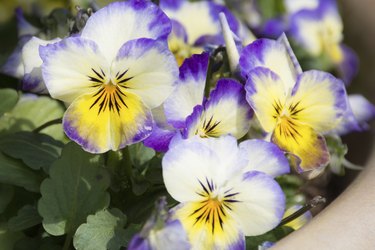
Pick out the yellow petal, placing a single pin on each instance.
(108, 119)
(302, 141)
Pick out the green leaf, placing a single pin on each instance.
(75, 189)
(7, 238)
(6, 195)
(9, 98)
(31, 112)
(35, 150)
(140, 154)
(27, 217)
(104, 230)
(14, 172)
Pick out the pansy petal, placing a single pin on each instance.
(363, 110)
(23, 26)
(226, 112)
(185, 166)
(205, 21)
(271, 54)
(72, 67)
(13, 66)
(349, 66)
(146, 68)
(33, 79)
(120, 22)
(319, 100)
(107, 120)
(266, 94)
(159, 139)
(213, 234)
(193, 162)
(302, 141)
(265, 157)
(189, 90)
(260, 203)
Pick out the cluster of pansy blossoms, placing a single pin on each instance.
(228, 116)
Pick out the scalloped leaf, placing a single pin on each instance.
(104, 230)
(27, 217)
(76, 188)
(16, 173)
(31, 112)
(35, 150)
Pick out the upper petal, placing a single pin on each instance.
(266, 94)
(319, 100)
(108, 119)
(265, 157)
(189, 90)
(206, 17)
(119, 22)
(146, 68)
(72, 67)
(274, 55)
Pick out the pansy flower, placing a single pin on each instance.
(359, 112)
(294, 107)
(223, 197)
(13, 66)
(161, 231)
(191, 34)
(319, 31)
(187, 111)
(112, 75)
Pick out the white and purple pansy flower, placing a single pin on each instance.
(360, 111)
(161, 231)
(295, 107)
(224, 196)
(32, 80)
(13, 66)
(187, 110)
(113, 74)
(191, 34)
(319, 31)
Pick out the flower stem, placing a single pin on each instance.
(47, 124)
(68, 240)
(317, 200)
(347, 164)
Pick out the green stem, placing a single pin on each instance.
(68, 241)
(47, 124)
(127, 162)
(311, 204)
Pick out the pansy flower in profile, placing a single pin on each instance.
(224, 196)
(161, 231)
(190, 34)
(187, 111)
(13, 66)
(294, 107)
(113, 74)
(319, 30)
(360, 111)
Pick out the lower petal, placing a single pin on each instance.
(108, 123)
(211, 233)
(302, 141)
